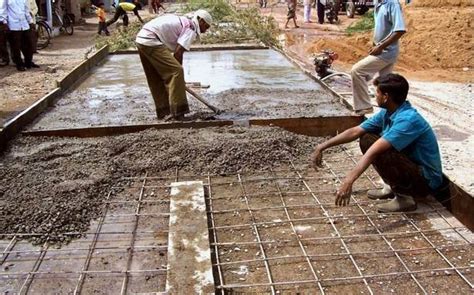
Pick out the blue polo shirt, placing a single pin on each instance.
(408, 132)
(388, 19)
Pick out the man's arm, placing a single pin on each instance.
(377, 49)
(344, 192)
(344, 137)
(3, 12)
(135, 11)
(178, 53)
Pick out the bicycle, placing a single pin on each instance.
(66, 21)
(43, 30)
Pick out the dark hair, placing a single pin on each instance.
(100, 4)
(394, 85)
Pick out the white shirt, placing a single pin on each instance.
(16, 14)
(33, 9)
(169, 30)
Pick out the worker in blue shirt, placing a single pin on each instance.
(401, 146)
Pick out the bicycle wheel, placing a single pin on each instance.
(67, 24)
(44, 35)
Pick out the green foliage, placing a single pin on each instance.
(122, 38)
(219, 9)
(229, 26)
(243, 26)
(366, 23)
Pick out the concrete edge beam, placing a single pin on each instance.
(189, 252)
(250, 46)
(12, 127)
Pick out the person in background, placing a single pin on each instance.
(320, 6)
(156, 5)
(291, 13)
(4, 55)
(122, 9)
(16, 14)
(389, 28)
(307, 10)
(401, 146)
(161, 44)
(33, 12)
(101, 15)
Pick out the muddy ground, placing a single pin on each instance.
(56, 185)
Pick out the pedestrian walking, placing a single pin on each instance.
(101, 15)
(291, 13)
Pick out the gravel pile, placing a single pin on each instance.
(52, 186)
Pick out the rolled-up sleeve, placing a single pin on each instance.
(187, 38)
(374, 124)
(396, 16)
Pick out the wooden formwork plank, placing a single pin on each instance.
(320, 126)
(189, 252)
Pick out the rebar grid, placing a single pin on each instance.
(326, 213)
(29, 278)
(80, 281)
(305, 254)
(40, 254)
(213, 232)
(406, 233)
(257, 235)
(132, 239)
(384, 238)
(334, 217)
(357, 278)
(419, 230)
(336, 254)
(361, 277)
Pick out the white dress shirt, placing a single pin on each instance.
(16, 14)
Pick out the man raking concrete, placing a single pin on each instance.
(161, 44)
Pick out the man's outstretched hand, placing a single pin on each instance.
(343, 194)
(317, 158)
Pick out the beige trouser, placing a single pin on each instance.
(362, 72)
(165, 77)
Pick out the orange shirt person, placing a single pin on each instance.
(101, 15)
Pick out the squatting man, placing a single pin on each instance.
(401, 146)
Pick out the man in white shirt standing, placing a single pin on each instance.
(16, 14)
(161, 44)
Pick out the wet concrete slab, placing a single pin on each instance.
(246, 84)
